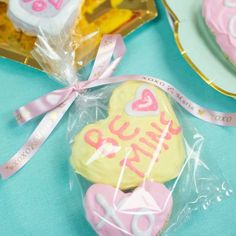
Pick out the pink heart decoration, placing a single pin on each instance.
(145, 103)
(56, 3)
(145, 211)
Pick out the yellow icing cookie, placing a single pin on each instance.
(140, 138)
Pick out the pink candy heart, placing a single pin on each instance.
(145, 211)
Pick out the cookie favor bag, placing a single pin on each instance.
(134, 154)
(138, 161)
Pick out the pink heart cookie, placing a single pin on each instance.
(49, 16)
(220, 17)
(145, 211)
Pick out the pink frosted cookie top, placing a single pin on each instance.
(145, 211)
(220, 16)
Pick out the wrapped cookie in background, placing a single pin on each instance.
(85, 20)
(52, 17)
(134, 154)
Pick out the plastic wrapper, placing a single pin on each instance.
(94, 18)
(135, 155)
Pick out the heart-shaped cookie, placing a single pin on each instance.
(49, 16)
(145, 211)
(140, 138)
(220, 17)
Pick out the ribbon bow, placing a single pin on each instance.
(56, 103)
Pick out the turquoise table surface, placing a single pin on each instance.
(38, 200)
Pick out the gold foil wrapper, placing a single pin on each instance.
(97, 17)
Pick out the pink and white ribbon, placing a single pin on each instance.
(56, 103)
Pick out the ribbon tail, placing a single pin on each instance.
(112, 46)
(36, 140)
(42, 105)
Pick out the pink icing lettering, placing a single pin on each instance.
(95, 139)
(147, 102)
(163, 119)
(153, 136)
(120, 131)
(136, 158)
(56, 3)
(172, 130)
(156, 138)
(39, 5)
(155, 126)
(144, 141)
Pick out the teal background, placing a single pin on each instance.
(38, 200)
